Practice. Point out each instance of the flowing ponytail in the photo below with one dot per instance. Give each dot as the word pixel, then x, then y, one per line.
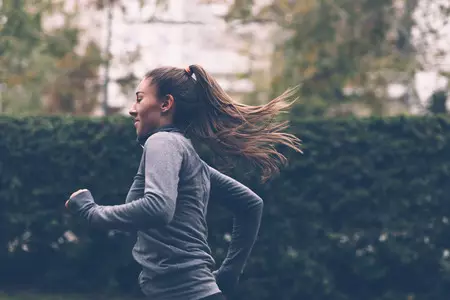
pixel 236 130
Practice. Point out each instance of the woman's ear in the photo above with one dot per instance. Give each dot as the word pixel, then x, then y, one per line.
pixel 167 104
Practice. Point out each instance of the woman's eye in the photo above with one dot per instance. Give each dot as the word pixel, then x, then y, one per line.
pixel 138 99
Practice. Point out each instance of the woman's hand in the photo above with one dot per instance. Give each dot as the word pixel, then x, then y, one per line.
pixel 226 282
pixel 73 195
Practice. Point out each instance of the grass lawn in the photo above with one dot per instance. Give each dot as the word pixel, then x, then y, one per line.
pixel 37 296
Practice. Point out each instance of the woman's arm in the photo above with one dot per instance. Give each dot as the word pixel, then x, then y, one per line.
pixel 163 155
pixel 247 208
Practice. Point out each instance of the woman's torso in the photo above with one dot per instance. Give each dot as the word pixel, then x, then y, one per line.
pixel 176 259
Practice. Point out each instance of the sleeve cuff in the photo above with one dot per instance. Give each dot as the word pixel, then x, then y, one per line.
pixel 81 203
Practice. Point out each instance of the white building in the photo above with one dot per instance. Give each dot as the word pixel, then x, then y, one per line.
pixel 180 34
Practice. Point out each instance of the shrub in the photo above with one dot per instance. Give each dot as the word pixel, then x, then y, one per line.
pixel 362 214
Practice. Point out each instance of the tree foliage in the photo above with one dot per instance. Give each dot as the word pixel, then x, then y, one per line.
pixel 342 53
pixel 41 69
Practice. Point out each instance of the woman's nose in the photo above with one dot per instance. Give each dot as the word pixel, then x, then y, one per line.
pixel 133 111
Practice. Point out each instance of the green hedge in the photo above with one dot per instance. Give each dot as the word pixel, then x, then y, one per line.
pixel 363 214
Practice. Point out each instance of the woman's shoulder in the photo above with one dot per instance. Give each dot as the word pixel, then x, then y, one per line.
pixel 166 140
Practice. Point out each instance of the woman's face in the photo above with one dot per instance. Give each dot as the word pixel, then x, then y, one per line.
pixel 147 111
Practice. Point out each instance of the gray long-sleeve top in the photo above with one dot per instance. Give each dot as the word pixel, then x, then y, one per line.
pixel 167 206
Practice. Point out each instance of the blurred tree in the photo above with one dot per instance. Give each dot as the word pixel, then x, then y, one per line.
pixel 341 53
pixel 41 70
pixel 438 102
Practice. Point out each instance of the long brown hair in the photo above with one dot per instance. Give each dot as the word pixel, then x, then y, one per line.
pixel 233 130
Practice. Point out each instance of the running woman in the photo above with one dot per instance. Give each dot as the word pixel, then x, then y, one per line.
pixel 168 199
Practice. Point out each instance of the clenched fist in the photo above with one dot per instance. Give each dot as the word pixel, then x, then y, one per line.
pixel 74 194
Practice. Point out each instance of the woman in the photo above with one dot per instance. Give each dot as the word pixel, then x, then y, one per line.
pixel 168 199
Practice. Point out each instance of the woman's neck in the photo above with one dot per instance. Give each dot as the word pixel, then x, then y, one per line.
pixel 167 128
